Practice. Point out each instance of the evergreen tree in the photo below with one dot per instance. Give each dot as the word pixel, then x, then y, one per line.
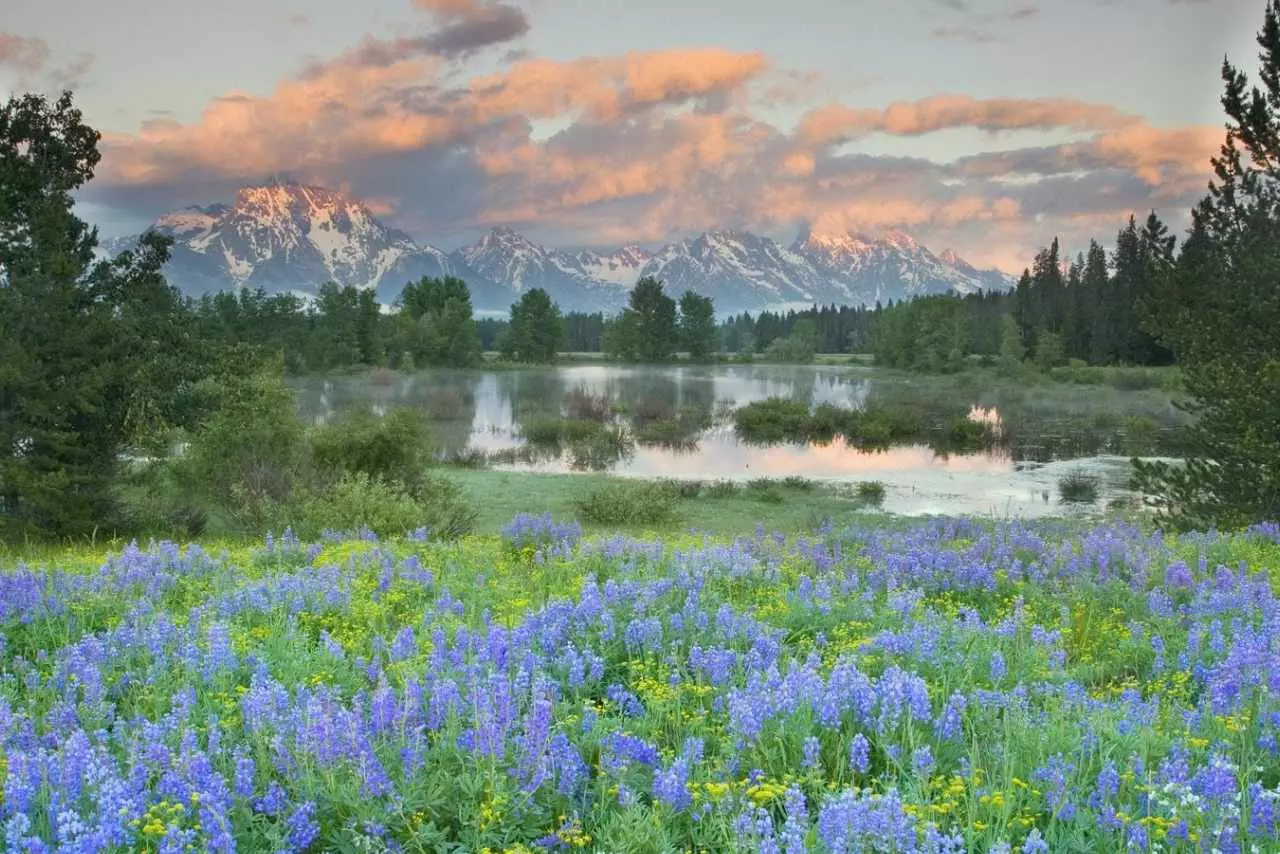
pixel 697 326
pixel 536 332
pixel 1079 321
pixel 1224 324
pixel 1157 249
pixel 1130 269
pixel 1023 310
pixel 89 352
pixel 1095 282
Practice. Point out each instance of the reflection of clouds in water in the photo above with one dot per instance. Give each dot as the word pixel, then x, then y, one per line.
pixel 723 456
pixel 490 405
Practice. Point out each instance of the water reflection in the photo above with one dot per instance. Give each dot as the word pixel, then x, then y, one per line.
pixel 676 422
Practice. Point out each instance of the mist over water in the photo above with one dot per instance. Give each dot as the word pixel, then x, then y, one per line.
pixel 1046 432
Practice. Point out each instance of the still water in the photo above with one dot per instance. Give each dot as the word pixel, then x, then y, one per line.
pixel 677 422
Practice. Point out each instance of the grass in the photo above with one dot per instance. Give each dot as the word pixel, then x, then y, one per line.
pixel 719 507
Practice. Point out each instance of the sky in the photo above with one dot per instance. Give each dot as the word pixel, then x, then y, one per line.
pixel 986 126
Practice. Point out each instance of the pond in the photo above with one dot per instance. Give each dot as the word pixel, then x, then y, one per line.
pixel 677 422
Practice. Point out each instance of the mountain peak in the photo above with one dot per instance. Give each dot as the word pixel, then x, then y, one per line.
pixel 287 236
pixel 900 239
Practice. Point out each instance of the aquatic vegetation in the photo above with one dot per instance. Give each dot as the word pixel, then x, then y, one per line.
pixel 953 685
pixel 1078 487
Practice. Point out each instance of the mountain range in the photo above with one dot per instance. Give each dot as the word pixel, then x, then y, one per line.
pixel 294 237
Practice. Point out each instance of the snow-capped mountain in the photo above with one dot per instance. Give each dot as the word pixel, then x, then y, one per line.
pixel 892 266
pixel 293 237
pixel 738 270
pixel 515 264
pixel 621 267
pixel 286 236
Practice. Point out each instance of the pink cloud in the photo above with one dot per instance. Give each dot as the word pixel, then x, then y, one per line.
pixel 837 123
pixel 658 144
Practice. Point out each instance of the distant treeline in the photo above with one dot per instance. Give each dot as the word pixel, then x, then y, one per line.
pixel 1090 309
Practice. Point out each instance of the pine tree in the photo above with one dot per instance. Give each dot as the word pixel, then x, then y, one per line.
pixel 1226 313
pixel 1095 282
pixel 1157 249
pixel 1118 308
pixel 1079 320
pixel 91 354
pixel 1023 310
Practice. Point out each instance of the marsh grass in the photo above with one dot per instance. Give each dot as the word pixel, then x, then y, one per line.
pixel 1079 487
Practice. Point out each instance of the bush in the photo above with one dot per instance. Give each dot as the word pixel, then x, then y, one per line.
pixel 630 504
pixel 827 422
pixel 358 501
pixel 964 434
pixel 395 447
pixel 684 488
pixel 870 493
pixel 652 409
pixel 666 431
pixel 553 431
pixel 764 490
pixel 1078 488
pixel 722 489
pixel 248 455
pixel 773 420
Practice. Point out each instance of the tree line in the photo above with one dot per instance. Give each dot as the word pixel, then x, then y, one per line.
pixel 1092 309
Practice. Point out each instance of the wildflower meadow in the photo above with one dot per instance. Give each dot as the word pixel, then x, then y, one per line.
pixel 931 686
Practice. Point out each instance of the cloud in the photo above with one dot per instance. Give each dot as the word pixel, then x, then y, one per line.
pixel 468 26
pixel 379 99
pixel 651 146
pixel 836 124
pixel 979 25
pixel 30 58
pixel 23 54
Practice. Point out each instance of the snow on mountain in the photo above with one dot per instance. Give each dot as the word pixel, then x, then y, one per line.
pixel 516 264
pixel 892 265
pixel 287 237
pixel 621 267
pixel 737 269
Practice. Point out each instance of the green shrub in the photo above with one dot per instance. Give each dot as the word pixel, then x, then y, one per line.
pixel 722 489
pixel 684 488
pixel 395 447
pixel 870 493
pixel 1078 488
pixel 553 431
pixel 773 420
pixel 359 501
pixel 247 455
pixel 827 422
pixel 964 434
pixel 629 504
pixel 666 431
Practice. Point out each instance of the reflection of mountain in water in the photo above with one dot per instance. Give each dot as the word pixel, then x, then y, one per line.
pixel 675 420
